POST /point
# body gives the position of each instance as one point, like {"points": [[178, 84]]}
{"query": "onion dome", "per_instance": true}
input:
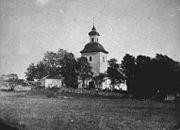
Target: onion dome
{"points": [[93, 32]]}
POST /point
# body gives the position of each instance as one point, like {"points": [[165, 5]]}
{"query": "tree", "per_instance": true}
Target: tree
{"points": [[99, 79], [38, 71], [53, 61], [146, 76], [84, 69], [165, 76], [113, 63], [143, 84], [114, 72], [68, 69], [50, 58], [176, 71], [13, 79], [128, 66], [42, 70], [50, 65], [31, 72]]}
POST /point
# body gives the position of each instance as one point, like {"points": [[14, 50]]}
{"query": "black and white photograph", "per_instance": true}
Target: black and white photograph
{"points": [[89, 64]]}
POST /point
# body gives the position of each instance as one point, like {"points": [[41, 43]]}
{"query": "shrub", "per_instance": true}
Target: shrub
{"points": [[51, 95]]}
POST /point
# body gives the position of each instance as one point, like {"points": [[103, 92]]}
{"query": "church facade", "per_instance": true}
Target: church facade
{"points": [[95, 53], [97, 57]]}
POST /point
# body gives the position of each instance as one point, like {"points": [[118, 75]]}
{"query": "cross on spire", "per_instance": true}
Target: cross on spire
{"points": [[93, 21], [93, 24]]}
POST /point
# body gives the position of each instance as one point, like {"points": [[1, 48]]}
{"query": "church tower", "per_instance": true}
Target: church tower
{"points": [[95, 53]]}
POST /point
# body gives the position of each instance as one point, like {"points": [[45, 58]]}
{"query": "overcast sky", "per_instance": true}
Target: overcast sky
{"points": [[29, 28]]}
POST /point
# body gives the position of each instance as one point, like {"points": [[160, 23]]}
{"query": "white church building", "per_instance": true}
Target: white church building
{"points": [[97, 56], [95, 53]]}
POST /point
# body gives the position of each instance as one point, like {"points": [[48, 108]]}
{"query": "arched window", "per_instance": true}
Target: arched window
{"points": [[90, 58], [92, 39]]}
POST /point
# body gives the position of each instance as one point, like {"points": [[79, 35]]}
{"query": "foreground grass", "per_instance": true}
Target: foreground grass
{"points": [[36, 112]]}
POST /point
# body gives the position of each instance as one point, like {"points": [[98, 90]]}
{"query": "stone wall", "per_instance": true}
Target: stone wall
{"points": [[92, 92]]}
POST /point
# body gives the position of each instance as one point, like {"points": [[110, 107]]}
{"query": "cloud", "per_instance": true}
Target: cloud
{"points": [[42, 2]]}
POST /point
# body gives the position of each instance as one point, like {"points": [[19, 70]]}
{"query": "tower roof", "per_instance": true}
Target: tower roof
{"points": [[93, 32], [93, 47]]}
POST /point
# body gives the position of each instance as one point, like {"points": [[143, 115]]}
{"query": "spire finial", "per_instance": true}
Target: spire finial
{"points": [[93, 24]]}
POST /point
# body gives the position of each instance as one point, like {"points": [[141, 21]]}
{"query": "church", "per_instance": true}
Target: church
{"points": [[97, 56], [95, 53]]}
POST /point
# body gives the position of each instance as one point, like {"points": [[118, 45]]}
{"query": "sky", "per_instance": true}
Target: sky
{"points": [[29, 28]]}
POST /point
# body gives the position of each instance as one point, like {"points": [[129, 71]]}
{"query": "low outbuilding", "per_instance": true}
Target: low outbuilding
{"points": [[51, 82]]}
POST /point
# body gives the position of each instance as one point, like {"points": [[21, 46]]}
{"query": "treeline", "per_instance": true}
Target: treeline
{"points": [[151, 77], [61, 64], [145, 76]]}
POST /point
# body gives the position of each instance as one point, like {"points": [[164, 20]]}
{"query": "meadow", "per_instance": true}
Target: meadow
{"points": [[33, 111]]}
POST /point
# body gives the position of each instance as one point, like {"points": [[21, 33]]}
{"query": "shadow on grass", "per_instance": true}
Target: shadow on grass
{"points": [[4, 126]]}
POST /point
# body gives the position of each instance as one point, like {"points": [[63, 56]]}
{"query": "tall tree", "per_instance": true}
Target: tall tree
{"points": [[114, 72], [164, 74], [143, 85], [59, 64], [68, 70], [62, 64], [42, 70], [31, 72], [53, 61], [84, 69], [176, 71], [50, 58], [128, 66]]}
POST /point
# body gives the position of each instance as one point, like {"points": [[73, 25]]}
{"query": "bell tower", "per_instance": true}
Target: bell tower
{"points": [[94, 38], [95, 53]]}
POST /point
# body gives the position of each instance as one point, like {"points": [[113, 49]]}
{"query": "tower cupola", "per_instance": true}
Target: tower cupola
{"points": [[93, 45], [93, 35], [93, 32]]}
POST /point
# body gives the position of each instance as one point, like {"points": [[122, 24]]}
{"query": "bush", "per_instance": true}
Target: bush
{"points": [[92, 92], [51, 95]]}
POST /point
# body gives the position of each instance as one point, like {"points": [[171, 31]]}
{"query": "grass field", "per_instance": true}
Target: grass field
{"points": [[37, 112]]}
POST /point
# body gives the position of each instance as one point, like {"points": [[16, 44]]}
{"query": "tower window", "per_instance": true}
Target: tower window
{"points": [[90, 58], [103, 59], [92, 39]]}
